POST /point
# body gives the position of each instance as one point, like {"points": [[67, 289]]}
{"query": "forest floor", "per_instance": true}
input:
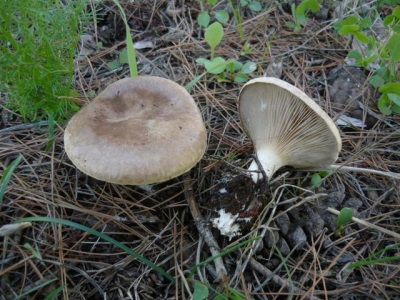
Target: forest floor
{"points": [[290, 250]]}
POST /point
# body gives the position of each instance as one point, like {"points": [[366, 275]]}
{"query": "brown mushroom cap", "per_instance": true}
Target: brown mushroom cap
{"points": [[137, 131], [286, 126]]}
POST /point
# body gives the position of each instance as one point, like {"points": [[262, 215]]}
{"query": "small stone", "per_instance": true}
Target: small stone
{"points": [[283, 223], [271, 238], [283, 247], [297, 237], [353, 203], [314, 224]]}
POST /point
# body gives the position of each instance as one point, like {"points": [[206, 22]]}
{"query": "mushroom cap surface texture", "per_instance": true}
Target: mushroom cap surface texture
{"points": [[139, 130], [286, 126]]}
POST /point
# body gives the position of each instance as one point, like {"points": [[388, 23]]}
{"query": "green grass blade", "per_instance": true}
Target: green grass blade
{"points": [[190, 85], [129, 44], [54, 294], [370, 260], [102, 236], [5, 178], [36, 288]]}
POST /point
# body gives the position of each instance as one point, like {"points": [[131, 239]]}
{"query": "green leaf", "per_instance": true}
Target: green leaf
{"points": [[350, 20], [114, 64], [201, 61], [237, 65], [389, 20], [307, 5], [384, 105], [361, 37], [300, 18], [376, 81], [395, 98], [390, 87], [200, 291], [211, 2], [255, 6], [203, 19], [7, 173], [222, 16], [230, 65], [346, 29], [215, 66], [213, 36], [396, 108], [365, 22], [393, 46], [316, 180], [123, 57], [345, 216], [396, 12], [241, 78], [354, 54], [249, 67]]}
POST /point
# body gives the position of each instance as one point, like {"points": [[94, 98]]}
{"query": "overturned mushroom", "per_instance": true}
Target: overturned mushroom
{"points": [[287, 127], [139, 130]]}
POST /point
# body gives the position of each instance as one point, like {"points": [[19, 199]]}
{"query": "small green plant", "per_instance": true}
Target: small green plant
{"points": [[344, 217], [383, 56], [316, 179], [204, 17], [251, 4], [300, 12], [38, 45], [225, 70]]}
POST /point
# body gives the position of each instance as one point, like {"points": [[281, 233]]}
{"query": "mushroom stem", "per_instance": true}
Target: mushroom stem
{"points": [[364, 170], [270, 162]]}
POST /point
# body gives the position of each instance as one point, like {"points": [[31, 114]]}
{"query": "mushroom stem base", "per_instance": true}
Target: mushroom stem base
{"points": [[269, 160]]}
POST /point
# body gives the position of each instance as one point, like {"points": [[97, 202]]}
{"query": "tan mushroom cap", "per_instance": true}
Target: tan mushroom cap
{"points": [[137, 131], [287, 127]]}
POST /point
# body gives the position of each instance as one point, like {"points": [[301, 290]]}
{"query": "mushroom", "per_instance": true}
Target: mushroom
{"points": [[287, 127], [138, 131]]}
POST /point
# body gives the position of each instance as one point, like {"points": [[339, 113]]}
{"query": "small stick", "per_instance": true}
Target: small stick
{"points": [[24, 126], [364, 170], [275, 278], [368, 224], [204, 230]]}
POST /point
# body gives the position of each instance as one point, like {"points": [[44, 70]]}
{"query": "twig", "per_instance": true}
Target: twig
{"points": [[203, 230], [364, 170], [24, 126], [368, 224], [275, 278]]}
